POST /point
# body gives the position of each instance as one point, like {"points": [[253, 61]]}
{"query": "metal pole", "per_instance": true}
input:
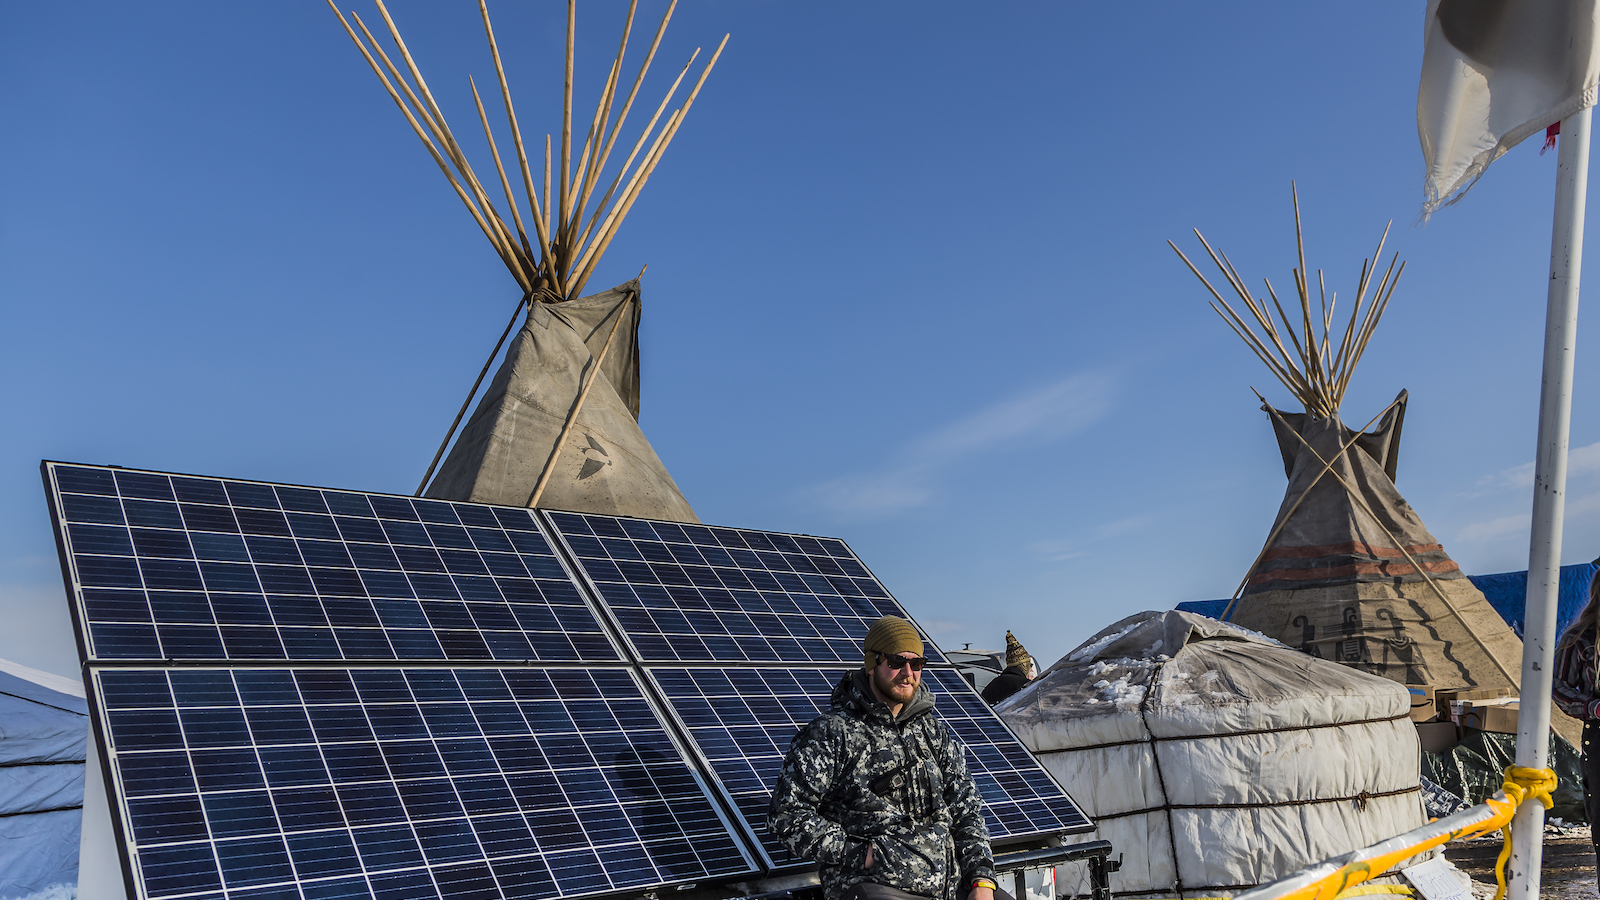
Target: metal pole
{"points": [[1549, 496]]}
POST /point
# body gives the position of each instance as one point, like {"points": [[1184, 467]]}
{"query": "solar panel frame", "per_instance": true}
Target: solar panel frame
{"points": [[342, 831]]}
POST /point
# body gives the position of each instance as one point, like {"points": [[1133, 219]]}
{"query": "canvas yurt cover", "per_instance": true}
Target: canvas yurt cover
{"points": [[607, 465], [1215, 759], [44, 727]]}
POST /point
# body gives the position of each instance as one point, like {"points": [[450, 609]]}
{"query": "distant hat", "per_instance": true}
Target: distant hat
{"points": [[889, 636], [1016, 655]]}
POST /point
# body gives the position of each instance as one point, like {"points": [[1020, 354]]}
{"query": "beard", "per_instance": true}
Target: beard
{"points": [[894, 686]]}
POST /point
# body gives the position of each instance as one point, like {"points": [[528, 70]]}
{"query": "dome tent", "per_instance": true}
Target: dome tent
{"points": [[1215, 759], [44, 730]]}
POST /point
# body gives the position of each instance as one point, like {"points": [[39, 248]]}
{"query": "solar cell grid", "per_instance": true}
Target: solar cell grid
{"points": [[527, 782], [693, 593], [742, 719], [173, 567]]}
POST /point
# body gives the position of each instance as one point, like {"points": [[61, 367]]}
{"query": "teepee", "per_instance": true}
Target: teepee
{"points": [[558, 425], [1349, 572]]}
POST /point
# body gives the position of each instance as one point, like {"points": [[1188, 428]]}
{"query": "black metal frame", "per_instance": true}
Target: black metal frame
{"points": [[1096, 853]]}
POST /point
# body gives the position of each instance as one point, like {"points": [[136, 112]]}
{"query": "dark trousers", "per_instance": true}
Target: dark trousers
{"points": [[866, 890], [1591, 778]]}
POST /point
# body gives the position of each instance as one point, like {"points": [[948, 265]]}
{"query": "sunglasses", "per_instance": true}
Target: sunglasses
{"points": [[899, 662]]}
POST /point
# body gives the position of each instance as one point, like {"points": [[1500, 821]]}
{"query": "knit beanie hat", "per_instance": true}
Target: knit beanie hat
{"points": [[889, 635], [1015, 654]]}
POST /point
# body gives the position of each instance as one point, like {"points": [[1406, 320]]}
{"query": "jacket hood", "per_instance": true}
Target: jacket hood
{"points": [[853, 694]]}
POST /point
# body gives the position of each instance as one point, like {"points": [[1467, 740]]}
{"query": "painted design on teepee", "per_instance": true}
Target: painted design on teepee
{"points": [[592, 465]]}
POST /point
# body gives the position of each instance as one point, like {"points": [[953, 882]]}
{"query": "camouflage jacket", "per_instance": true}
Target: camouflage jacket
{"points": [[858, 777]]}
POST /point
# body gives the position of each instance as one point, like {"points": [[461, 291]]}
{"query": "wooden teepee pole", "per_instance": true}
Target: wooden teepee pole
{"points": [[570, 236], [526, 300], [583, 394]]}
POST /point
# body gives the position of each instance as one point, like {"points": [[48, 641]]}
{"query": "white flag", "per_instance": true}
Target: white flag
{"points": [[1494, 72]]}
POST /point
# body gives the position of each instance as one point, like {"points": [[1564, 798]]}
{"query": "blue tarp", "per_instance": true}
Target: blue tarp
{"points": [[43, 738], [1507, 592]]}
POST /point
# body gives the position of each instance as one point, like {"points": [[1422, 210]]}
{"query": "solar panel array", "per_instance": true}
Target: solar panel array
{"points": [[309, 694]]}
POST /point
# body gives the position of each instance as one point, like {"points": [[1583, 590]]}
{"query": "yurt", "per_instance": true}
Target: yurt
{"points": [[1215, 759], [44, 729]]}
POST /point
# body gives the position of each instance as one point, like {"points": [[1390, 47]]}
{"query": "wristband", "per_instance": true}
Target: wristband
{"points": [[984, 883]]}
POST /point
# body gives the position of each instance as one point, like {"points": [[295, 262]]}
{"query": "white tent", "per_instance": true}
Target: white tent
{"points": [[44, 728], [1215, 759]]}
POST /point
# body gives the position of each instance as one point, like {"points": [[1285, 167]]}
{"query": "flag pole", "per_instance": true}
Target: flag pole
{"points": [[1549, 495]]}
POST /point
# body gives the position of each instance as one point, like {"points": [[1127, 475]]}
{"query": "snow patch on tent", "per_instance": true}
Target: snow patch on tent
{"points": [[54, 892]]}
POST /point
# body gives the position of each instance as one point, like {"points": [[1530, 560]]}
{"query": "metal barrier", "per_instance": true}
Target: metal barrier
{"points": [[1095, 853]]}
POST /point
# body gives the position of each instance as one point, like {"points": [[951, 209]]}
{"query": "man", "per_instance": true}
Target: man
{"points": [[1573, 688], [1019, 671], [876, 790]]}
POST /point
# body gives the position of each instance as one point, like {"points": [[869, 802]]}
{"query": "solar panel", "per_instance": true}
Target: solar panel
{"points": [[403, 783], [174, 567], [309, 694], [742, 719], [692, 593]]}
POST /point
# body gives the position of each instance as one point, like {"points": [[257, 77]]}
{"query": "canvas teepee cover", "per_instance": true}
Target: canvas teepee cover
{"points": [[1336, 580], [607, 465]]}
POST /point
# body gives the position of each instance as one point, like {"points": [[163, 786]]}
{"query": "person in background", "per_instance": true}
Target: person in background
{"points": [[1574, 691], [876, 789], [1019, 671]]}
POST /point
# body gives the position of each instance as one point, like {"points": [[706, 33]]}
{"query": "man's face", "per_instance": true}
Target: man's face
{"points": [[896, 686]]}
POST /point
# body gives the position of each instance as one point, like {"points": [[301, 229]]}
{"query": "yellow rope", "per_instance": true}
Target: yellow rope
{"points": [[1363, 890], [1521, 784]]}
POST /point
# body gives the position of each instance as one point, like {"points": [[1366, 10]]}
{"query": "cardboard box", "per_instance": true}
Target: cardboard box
{"points": [[1498, 717], [1438, 737], [1444, 695], [1424, 708]]}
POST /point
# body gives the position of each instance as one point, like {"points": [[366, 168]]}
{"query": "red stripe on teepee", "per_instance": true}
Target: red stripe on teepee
{"points": [[1349, 548], [1365, 568]]}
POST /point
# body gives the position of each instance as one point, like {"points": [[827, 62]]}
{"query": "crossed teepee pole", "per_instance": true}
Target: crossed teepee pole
{"points": [[556, 261]]}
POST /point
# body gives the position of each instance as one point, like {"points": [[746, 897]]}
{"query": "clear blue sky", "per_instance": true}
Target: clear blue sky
{"points": [[908, 283]]}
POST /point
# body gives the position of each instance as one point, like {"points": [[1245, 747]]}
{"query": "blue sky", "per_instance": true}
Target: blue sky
{"points": [[908, 283]]}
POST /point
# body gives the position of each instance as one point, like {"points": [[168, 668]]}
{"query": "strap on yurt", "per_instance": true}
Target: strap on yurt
{"points": [[1335, 878]]}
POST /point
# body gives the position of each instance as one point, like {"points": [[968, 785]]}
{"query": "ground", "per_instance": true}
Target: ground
{"points": [[1568, 872]]}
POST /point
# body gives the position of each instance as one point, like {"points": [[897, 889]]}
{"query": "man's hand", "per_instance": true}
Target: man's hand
{"points": [[981, 893], [868, 863]]}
